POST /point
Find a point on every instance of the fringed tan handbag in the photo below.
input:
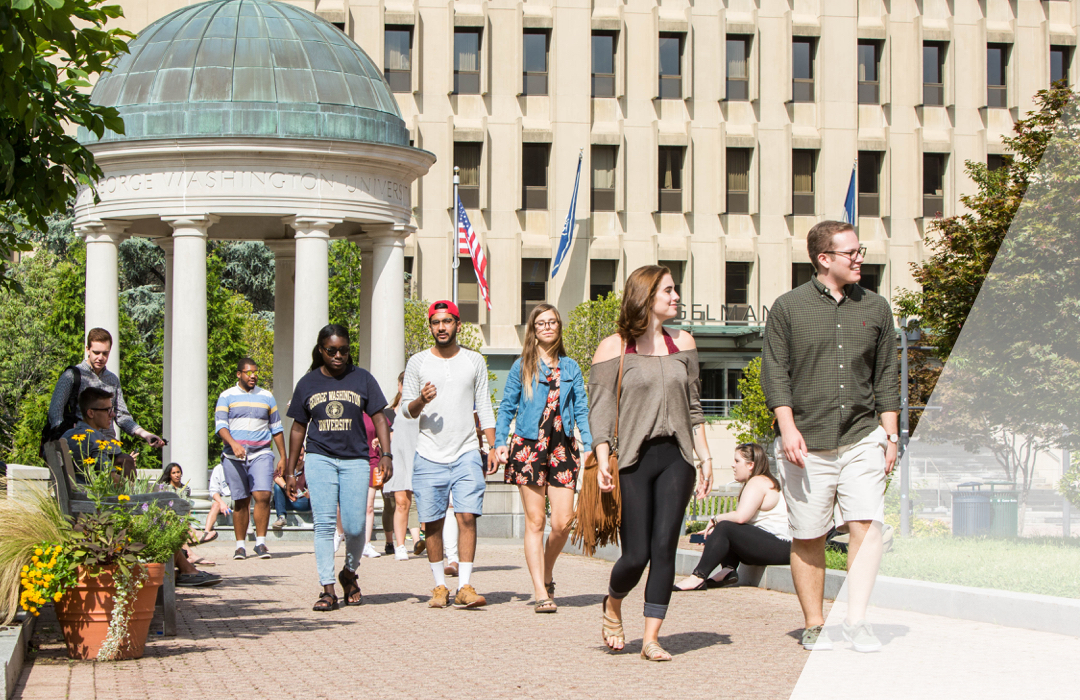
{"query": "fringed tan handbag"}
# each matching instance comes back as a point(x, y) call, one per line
point(596, 521)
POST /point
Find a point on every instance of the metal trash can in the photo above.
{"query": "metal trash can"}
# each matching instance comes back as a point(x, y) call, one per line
point(971, 512)
point(1004, 511)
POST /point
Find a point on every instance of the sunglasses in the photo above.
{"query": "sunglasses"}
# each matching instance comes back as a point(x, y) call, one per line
point(332, 351)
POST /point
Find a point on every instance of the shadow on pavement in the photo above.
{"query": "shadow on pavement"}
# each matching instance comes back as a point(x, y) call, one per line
point(503, 567)
point(583, 600)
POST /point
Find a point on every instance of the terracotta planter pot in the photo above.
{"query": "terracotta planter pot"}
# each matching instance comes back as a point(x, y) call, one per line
point(84, 613)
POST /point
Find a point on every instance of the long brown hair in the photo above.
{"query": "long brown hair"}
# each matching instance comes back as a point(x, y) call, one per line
point(637, 301)
point(530, 353)
point(397, 399)
point(755, 455)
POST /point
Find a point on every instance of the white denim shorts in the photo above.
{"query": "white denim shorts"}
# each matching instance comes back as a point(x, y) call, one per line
point(852, 477)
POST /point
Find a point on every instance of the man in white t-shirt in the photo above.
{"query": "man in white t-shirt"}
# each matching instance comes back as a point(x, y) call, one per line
point(221, 501)
point(442, 387)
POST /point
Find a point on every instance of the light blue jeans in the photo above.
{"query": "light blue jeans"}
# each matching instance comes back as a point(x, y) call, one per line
point(337, 482)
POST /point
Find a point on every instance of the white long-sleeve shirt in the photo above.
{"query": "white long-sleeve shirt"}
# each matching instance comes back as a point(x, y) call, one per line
point(447, 428)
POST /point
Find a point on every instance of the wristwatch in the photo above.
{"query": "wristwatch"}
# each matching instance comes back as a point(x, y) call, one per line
point(894, 438)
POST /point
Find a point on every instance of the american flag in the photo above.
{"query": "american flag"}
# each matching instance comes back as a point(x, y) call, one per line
point(468, 244)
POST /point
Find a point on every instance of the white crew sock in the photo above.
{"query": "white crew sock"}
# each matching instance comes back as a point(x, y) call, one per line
point(464, 572)
point(259, 540)
point(437, 570)
point(241, 545)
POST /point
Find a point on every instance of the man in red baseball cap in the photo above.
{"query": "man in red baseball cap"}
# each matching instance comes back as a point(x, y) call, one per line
point(442, 387)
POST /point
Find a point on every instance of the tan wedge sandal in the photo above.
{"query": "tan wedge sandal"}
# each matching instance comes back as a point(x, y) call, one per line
point(612, 629)
point(654, 652)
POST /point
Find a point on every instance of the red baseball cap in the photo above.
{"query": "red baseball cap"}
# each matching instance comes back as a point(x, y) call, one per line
point(451, 308)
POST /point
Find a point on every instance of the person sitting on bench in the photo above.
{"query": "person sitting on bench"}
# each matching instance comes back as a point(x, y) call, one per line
point(90, 437)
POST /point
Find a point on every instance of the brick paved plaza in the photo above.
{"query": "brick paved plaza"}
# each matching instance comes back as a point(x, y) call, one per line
point(255, 636)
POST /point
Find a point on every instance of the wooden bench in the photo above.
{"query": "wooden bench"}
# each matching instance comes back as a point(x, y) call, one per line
point(74, 501)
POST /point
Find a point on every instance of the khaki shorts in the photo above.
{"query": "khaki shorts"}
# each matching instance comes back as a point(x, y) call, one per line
point(851, 477)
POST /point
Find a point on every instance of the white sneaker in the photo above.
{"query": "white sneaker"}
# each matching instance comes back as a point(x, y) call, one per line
point(371, 552)
point(401, 553)
point(338, 537)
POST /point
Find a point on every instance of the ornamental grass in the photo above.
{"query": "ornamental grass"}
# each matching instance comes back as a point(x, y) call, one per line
point(25, 523)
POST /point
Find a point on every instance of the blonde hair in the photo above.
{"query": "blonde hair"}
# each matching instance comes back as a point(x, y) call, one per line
point(530, 353)
point(639, 294)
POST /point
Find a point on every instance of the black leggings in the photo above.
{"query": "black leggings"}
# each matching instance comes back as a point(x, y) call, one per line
point(731, 544)
point(655, 492)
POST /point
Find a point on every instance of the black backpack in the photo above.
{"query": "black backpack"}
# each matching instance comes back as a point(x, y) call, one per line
point(71, 412)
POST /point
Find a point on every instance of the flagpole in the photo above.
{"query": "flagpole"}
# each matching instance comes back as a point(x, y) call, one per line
point(457, 238)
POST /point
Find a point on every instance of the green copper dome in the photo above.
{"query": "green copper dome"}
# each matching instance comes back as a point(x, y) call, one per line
point(248, 68)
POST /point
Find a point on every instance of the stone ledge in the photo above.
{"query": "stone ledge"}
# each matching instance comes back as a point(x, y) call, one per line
point(14, 642)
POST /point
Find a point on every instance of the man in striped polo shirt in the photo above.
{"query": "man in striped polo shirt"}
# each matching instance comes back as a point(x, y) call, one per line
point(246, 419)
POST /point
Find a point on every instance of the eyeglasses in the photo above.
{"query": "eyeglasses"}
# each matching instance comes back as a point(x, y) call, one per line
point(108, 409)
point(849, 254)
point(541, 325)
point(332, 351)
point(250, 372)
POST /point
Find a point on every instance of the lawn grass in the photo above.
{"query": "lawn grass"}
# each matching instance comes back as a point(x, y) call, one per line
point(1045, 565)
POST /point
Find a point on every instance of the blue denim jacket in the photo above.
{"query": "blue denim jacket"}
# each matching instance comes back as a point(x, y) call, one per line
point(573, 403)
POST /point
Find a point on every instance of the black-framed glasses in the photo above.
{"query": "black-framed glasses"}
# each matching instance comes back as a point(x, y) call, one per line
point(541, 325)
point(108, 409)
point(849, 254)
point(332, 350)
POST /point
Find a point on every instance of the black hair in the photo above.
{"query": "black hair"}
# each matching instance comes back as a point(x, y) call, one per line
point(244, 362)
point(329, 331)
point(168, 470)
point(443, 306)
point(91, 394)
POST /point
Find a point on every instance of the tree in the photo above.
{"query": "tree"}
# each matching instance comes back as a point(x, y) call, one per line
point(49, 52)
point(1011, 385)
point(588, 324)
point(751, 417)
point(345, 285)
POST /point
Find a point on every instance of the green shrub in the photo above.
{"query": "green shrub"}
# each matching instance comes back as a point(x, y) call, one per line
point(163, 531)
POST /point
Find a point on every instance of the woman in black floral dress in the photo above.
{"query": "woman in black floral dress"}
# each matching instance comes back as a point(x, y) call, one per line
point(545, 393)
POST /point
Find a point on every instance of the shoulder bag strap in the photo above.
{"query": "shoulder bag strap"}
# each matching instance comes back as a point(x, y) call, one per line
point(618, 399)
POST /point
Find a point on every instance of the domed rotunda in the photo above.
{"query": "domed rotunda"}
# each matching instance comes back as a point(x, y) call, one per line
point(250, 120)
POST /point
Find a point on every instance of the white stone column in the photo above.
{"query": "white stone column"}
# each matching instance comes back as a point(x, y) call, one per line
point(312, 287)
point(103, 240)
point(367, 283)
point(284, 298)
point(190, 428)
point(388, 306)
point(166, 244)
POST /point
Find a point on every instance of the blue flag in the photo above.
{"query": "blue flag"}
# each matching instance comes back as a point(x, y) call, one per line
point(849, 201)
point(568, 228)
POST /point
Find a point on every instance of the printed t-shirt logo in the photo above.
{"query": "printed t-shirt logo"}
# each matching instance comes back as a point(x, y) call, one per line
point(334, 409)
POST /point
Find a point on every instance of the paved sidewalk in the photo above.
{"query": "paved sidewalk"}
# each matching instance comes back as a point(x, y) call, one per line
point(254, 635)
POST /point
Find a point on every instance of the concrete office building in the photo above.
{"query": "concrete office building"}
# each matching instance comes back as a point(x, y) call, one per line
point(714, 134)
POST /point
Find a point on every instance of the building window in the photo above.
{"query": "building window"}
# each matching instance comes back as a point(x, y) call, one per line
point(738, 180)
point(1059, 64)
point(671, 52)
point(871, 277)
point(869, 183)
point(466, 61)
point(410, 278)
point(869, 72)
point(534, 175)
point(603, 64)
point(467, 161)
point(535, 53)
point(933, 184)
point(602, 278)
point(737, 283)
point(997, 161)
point(738, 67)
point(671, 167)
point(802, 54)
point(996, 89)
point(397, 58)
point(720, 390)
point(801, 273)
point(803, 164)
point(933, 70)
point(534, 278)
point(603, 177)
point(468, 291)
point(676, 267)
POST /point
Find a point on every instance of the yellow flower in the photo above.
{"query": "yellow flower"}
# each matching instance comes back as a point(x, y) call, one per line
point(88, 461)
point(79, 438)
point(34, 559)
point(26, 567)
point(116, 443)
point(33, 609)
point(38, 551)
point(57, 596)
point(88, 431)
point(123, 497)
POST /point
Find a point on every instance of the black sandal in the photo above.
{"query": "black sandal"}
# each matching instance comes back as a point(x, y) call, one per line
point(550, 588)
point(327, 601)
point(350, 587)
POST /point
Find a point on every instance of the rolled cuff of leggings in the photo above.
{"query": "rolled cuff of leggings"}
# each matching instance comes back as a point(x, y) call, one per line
point(612, 593)
point(657, 611)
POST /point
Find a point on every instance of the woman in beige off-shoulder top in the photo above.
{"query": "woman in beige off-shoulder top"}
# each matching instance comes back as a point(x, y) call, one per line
point(661, 424)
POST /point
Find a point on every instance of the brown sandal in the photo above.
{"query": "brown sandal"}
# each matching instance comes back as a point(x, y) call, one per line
point(350, 587)
point(654, 652)
point(612, 629)
point(545, 605)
